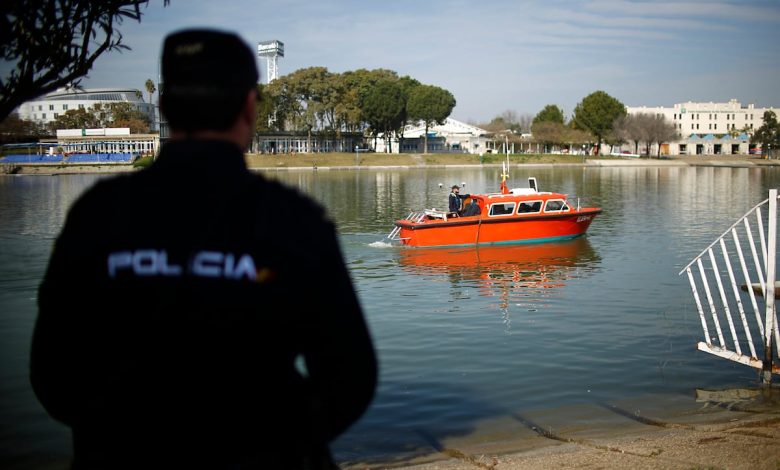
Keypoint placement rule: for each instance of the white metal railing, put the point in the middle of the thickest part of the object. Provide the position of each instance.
(414, 216)
(731, 293)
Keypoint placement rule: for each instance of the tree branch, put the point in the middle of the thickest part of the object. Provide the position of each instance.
(67, 52)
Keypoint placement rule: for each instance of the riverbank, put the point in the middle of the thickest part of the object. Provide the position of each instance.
(417, 161)
(732, 429)
(373, 161)
(729, 429)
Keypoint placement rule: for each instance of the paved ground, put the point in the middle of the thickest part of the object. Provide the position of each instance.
(736, 429)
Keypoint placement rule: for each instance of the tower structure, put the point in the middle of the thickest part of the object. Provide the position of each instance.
(271, 50)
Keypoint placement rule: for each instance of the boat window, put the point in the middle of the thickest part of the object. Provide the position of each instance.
(556, 205)
(502, 208)
(529, 207)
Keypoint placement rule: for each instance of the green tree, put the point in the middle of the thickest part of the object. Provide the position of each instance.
(123, 111)
(357, 85)
(75, 119)
(383, 108)
(407, 84)
(348, 107)
(300, 97)
(550, 113)
(326, 104)
(547, 126)
(125, 114)
(596, 113)
(768, 135)
(119, 114)
(429, 104)
(54, 43)
(309, 87)
(264, 109)
(285, 104)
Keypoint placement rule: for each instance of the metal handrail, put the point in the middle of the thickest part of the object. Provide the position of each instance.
(757, 206)
(724, 303)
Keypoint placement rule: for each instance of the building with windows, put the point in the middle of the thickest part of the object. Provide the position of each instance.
(290, 142)
(452, 136)
(709, 128)
(45, 109)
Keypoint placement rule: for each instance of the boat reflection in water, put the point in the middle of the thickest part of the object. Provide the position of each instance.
(520, 275)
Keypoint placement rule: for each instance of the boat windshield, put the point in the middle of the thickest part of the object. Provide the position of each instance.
(556, 205)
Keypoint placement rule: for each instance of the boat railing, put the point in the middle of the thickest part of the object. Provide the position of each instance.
(580, 202)
(393, 235)
(414, 217)
(737, 279)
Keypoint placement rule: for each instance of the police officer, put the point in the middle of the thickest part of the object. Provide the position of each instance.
(456, 200)
(178, 326)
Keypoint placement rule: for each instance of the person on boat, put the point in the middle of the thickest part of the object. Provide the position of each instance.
(179, 338)
(456, 200)
(472, 209)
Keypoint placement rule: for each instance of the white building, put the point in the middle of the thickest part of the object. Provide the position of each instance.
(709, 128)
(109, 140)
(45, 109)
(452, 136)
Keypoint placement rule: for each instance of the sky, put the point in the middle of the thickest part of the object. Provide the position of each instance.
(496, 55)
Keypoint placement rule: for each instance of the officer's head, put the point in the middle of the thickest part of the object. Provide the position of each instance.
(456, 189)
(207, 76)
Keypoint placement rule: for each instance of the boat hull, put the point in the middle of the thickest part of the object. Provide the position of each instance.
(467, 231)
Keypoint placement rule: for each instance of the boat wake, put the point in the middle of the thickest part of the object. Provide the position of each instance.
(380, 244)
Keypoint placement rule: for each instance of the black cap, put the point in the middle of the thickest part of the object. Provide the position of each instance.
(455, 186)
(207, 62)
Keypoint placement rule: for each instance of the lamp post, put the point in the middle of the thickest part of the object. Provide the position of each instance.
(357, 155)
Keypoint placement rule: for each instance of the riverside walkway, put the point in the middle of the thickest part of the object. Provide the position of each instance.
(732, 429)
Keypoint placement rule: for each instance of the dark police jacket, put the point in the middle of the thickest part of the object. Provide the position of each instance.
(456, 201)
(175, 305)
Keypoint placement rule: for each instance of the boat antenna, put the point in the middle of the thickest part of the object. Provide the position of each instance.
(504, 176)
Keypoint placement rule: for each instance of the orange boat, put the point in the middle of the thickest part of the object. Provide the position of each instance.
(520, 215)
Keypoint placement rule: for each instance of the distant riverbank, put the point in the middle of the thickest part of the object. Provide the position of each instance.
(378, 161)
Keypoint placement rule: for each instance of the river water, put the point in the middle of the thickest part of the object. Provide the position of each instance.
(465, 337)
